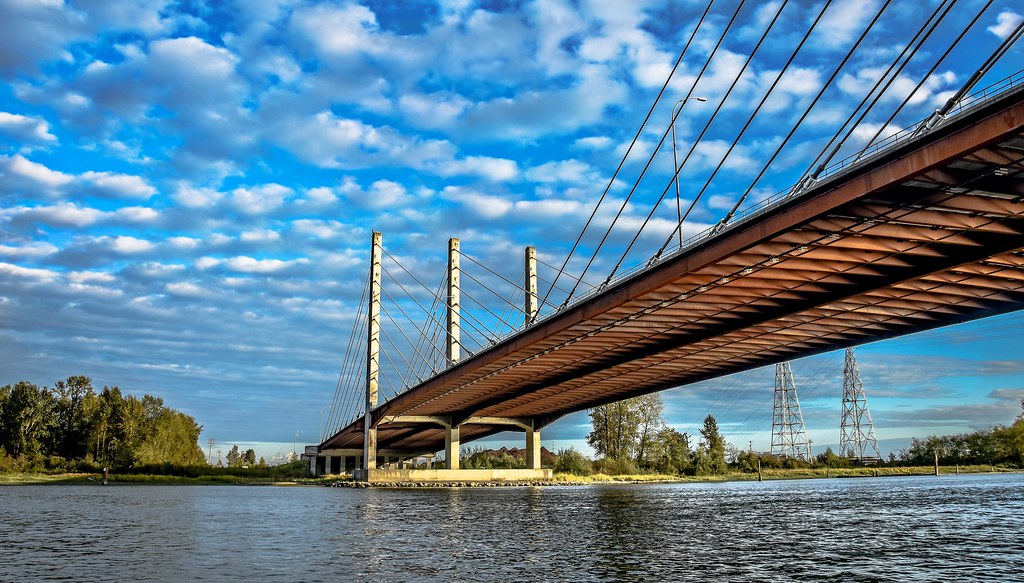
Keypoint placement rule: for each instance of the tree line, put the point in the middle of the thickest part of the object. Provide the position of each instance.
(631, 436)
(994, 446)
(53, 428)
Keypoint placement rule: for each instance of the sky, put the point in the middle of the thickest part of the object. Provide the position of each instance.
(187, 189)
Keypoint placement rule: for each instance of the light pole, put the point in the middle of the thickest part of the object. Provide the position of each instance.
(295, 440)
(328, 407)
(676, 110)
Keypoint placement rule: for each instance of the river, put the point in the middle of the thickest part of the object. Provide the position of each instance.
(926, 528)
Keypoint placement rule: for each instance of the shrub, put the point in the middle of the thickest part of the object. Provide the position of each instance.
(615, 466)
(571, 461)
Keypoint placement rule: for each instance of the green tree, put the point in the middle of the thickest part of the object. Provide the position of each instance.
(74, 412)
(710, 457)
(649, 410)
(625, 430)
(25, 419)
(672, 453)
(249, 458)
(234, 458)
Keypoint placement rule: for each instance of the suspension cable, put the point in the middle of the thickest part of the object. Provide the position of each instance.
(803, 117)
(924, 78)
(693, 147)
(629, 150)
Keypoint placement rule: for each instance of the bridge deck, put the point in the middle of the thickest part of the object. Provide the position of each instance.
(927, 234)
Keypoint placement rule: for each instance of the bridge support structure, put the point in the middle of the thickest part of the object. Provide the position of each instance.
(372, 356)
(453, 470)
(374, 462)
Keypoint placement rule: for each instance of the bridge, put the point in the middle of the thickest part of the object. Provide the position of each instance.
(925, 233)
(922, 229)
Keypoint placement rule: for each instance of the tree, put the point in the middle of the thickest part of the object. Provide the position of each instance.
(648, 411)
(234, 459)
(249, 458)
(711, 455)
(625, 430)
(671, 452)
(25, 419)
(74, 412)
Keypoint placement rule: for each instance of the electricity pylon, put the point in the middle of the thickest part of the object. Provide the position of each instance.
(858, 431)
(789, 438)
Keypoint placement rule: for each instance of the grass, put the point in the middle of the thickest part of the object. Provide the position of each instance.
(768, 474)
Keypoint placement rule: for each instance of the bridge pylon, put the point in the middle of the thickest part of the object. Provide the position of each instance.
(789, 437)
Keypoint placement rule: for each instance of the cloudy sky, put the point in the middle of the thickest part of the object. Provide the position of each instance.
(187, 189)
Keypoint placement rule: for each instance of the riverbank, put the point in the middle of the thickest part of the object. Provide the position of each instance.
(557, 480)
(604, 479)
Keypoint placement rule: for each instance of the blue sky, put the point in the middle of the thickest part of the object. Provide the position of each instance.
(187, 189)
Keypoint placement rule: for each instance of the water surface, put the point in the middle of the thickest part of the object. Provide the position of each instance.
(968, 527)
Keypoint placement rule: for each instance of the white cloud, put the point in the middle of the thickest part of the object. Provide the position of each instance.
(593, 143)
(20, 174)
(336, 32)
(438, 110)
(319, 229)
(118, 185)
(321, 195)
(260, 236)
(188, 290)
(250, 265)
(135, 214)
(191, 197)
(483, 205)
(90, 276)
(562, 171)
(493, 169)
(183, 242)
(127, 245)
(1005, 23)
(27, 272)
(843, 20)
(205, 263)
(31, 131)
(65, 214)
(329, 141)
(29, 250)
(260, 200)
(380, 194)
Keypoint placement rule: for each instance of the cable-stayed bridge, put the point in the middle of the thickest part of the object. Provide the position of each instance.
(921, 230)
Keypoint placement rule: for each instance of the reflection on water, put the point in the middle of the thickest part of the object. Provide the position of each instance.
(925, 528)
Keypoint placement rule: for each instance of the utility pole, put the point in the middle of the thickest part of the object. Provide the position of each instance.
(857, 438)
(209, 456)
(789, 437)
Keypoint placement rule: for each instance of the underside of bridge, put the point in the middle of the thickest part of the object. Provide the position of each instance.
(926, 234)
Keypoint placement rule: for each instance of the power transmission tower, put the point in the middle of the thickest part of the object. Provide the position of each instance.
(209, 456)
(858, 431)
(789, 438)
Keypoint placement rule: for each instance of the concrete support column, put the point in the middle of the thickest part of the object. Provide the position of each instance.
(372, 356)
(451, 447)
(327, 465)
(532, 448)
(453, 350)
(531, 285)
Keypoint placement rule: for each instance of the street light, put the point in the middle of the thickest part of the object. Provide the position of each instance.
(676, 110)
(322, 421)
